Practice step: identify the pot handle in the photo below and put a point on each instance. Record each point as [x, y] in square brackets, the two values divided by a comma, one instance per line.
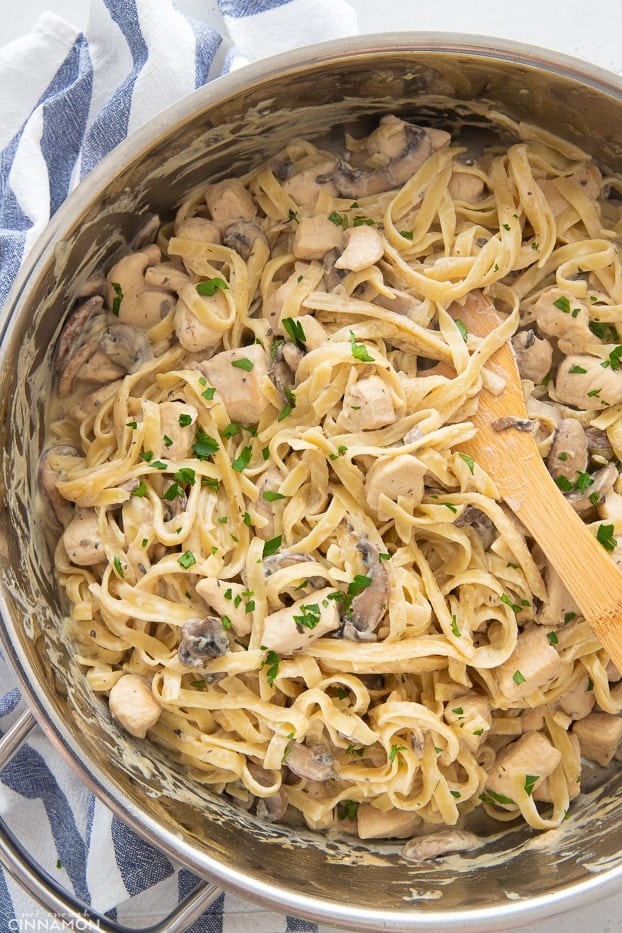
[61, 904]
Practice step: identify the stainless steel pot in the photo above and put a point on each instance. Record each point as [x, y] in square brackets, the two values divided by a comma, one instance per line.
[229, 126]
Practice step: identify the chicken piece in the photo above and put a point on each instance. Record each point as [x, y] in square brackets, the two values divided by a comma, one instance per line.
[367, 405]
[599, 736]
[543, 791]
[133, 704]
[303, 187]
[567, 456]
[82, 539]
[564, 317]
[176, 421]
[199, 229]
[364, 247]
[532, 755]
[229, 600]
[316, 236]
[578, 702]
[583, 382]
[559, 608]
[372, 823]
[133, 301]
[465, 186]
[534, 663]
[293, 628]
[394, 476]
[315, 333]
[229, 200]
[534, 355]
[240, 387]
[471, 713]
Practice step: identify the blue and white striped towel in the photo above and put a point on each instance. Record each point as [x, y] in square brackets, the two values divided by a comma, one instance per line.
[66, 99]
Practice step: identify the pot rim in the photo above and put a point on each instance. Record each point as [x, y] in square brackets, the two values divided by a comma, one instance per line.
[53, 726]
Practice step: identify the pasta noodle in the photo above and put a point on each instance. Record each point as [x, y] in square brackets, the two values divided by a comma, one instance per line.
[279, 565]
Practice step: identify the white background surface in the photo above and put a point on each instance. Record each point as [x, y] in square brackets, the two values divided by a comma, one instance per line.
[588, 30]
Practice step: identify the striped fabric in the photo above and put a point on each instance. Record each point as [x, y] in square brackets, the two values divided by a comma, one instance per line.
[66, 99]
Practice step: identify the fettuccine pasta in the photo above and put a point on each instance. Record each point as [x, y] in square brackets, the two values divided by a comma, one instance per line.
[279, 563]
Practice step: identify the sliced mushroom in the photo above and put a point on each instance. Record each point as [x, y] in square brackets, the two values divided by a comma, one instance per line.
[369, 606]
[333, 276]
[126, 346]
[402, 147]
[364, 247]
[435, 844]
[242, 236]
[49, 473]
[567, 456]
[313, 761]
[595, 491]
[74, 329]
[285, 360]
[133, 301]
[274, 807]
[82, 540]
[201, 320]
[482, 525]
[202, 639]
[133, 704]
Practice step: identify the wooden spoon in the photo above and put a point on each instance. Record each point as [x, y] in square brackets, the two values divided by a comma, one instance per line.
[511, 458]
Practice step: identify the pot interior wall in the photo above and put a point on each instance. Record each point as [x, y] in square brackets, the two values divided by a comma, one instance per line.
[224, 130]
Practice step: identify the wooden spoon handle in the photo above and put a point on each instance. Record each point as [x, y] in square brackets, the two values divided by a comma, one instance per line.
[511, 457]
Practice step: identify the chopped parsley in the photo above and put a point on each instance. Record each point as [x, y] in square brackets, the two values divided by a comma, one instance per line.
[295, 330]
[464, 331]
[244, 363]
[606, 537]
[359, 350]
[186, 560]
[470, 462]
[562, 304]
[141, 489]
[454, 627]
[204, 446]
[395, 750]
[118, 298]
[118, 566]
[271, 664]
[185, 420]
[242, 461]
[530, 782]
[272, 546]
[210, 286]
[519, 678]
